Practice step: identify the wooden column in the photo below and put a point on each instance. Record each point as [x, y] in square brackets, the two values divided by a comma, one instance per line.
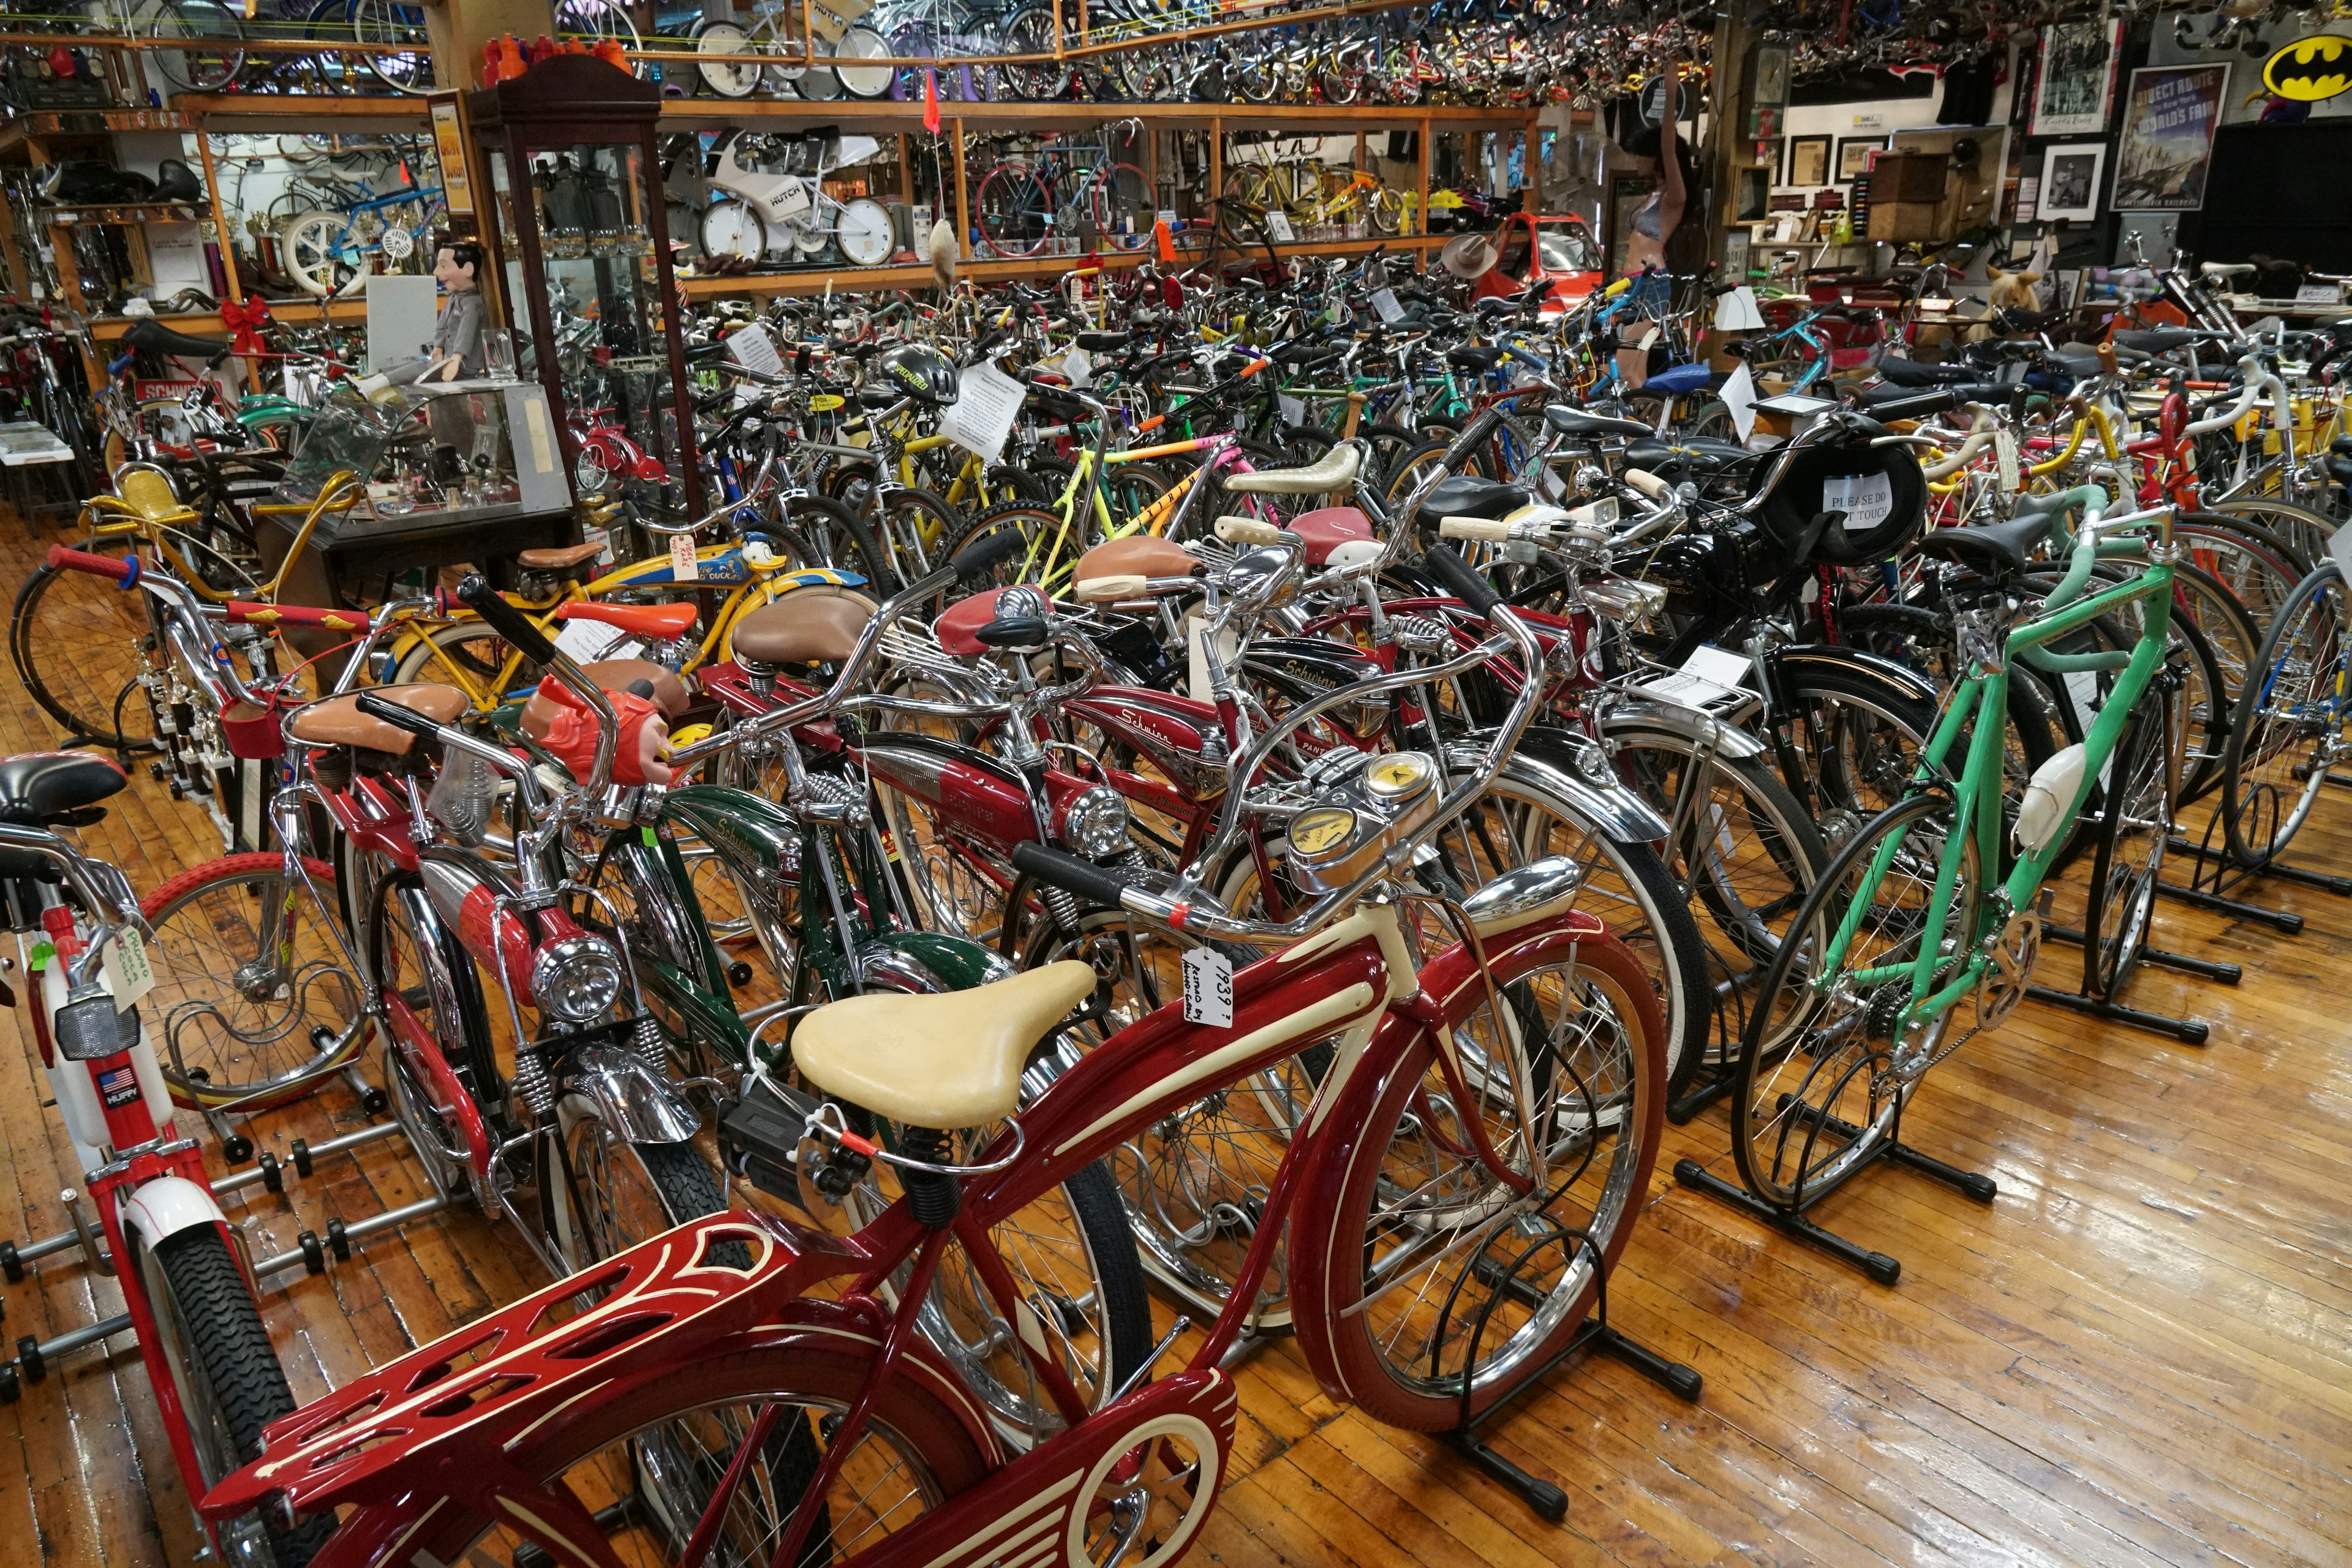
[1726, 150]
[1427, 133]
[1217, 161]
[905, 171]
[964, 194]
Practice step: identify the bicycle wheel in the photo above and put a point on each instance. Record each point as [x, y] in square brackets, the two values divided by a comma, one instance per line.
[2286, 734]
[825, 534]
[321, 255]
[1438, 1282]
[428, 982]
[591, 20]
[468, 654]
[247, 969]
[1030, 30]
[1120, 202]
[214, 60]
[719, 76]
[1038, 527]
[859, 42]
[223, 1369]
[389, 23]
[2257, 565]
[1822, 1076]
[2136, 824]
[1014, 210]
[74, 639]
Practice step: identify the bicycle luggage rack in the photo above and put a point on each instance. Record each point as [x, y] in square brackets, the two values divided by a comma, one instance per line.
[1597, 1333]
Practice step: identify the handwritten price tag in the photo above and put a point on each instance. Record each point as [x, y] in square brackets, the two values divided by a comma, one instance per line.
[1208, 988]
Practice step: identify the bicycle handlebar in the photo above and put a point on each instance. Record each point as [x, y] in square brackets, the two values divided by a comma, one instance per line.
[61, 559]
[245, 612]
[2257, 382]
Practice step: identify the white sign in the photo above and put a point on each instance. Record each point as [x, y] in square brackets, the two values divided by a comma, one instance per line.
[1738, 312]
[1278, 226]
[1386, 306]
[751, 347]
[1867, 500]
[585, 642]
[981, 416]
[1208, 988]
[130, 976]
[1078, 365]
[1709, 677]
[1293, 410]
[1738, 395]
[2004, 451]
[2319, 294]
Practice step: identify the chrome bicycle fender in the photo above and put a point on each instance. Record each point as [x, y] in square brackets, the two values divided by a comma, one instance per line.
[644, 1106]
[1835, 656]
[1699, 729]
[1614, 811]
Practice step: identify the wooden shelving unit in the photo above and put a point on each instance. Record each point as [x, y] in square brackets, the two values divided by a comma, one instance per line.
[999, 269]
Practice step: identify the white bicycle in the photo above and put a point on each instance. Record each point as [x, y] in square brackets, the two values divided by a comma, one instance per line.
[762, 209]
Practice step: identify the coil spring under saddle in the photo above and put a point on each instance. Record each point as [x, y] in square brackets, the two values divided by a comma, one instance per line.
[935, 1197]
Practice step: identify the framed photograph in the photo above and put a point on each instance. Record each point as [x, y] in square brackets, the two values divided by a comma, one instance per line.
[1853, 156]
[2074, 93]
[1755, 194]
[1808, 161]
[2167, 146]
[2070, 181]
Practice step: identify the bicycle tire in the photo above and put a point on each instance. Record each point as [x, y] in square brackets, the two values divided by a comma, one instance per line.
[1036, 525]
[227, 1376]
[826, 533]
[76, 652]
[1336, 1253]
[1006, 206]
[447, 996]
[387, 22]
[2290, 716]
[2133, 827]
[313, 247]
[197, 21]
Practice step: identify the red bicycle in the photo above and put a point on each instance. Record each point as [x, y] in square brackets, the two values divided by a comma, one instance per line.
[1467, 1173]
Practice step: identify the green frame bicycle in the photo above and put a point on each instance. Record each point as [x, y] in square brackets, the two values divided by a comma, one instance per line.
[1927, 906]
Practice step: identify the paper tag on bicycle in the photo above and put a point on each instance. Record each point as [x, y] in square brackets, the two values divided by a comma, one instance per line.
[1278, 226]
[1208, 988]
[790, 201]
[2339, 547]
[2004, 452]
[1079, 366]
[981, 416]
[1647, 339]
[585, 642]
[1867, 500]
[1708, 678]
[1601, 513]
[130, 976]
[684, 566]
[1387, 306]
[751, 347]
[601, 539]
[1294, 410]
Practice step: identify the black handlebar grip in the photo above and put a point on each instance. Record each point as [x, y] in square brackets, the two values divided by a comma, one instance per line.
[1456, 573]
[1069, 872]
[476, 595]
[984, 558]
[1915, 408]
[1481, 430]
[393, 714]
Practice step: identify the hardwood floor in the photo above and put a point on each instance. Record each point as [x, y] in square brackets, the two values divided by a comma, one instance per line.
[2140, 1352]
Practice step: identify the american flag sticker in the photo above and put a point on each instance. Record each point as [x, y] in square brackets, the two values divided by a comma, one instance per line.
[119, 1087]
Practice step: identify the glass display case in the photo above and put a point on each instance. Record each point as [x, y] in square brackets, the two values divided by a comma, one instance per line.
[575, 227]
[432, 453]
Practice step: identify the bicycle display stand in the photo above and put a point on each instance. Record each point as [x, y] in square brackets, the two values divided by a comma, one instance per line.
[2208, 891]
[2097, 1000]
[1792, 1223]
[1548, 1500]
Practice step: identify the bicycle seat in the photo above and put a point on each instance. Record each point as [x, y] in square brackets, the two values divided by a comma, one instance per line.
[338, 721]
[1570, 421]
[1135, 555]
[148, 494]
[663, 622]
[1335, 470]
[1911, 374]
[2162, 339]
[1995, 547]
[152, 336]
[1099, 343]
[1676, 381]
[1330, 531]
[1467, 495]
[561, 559]
[948, 1060]
[1472, 358]
[40, 785]
[817, 625]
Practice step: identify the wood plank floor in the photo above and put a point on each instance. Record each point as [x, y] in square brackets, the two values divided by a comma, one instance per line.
[2141, 1353]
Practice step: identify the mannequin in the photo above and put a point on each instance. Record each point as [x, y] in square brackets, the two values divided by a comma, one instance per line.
[456, 351]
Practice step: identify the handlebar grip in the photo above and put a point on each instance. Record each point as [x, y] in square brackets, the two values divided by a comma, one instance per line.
[393, 714]
[115, 367]
[61, 559]
[1915, 408]
[1473, 528]
[476, 595]
[1466, 585]
[1069, 873]
[1648, 483]
[1106, 590]
[1480, 431]
[249, 613]
[1247, 531]
[976, 563]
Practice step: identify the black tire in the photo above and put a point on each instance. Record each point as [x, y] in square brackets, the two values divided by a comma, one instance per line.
[74, 639]
[2129, 857]
[1036, 525]
[230, 1383]
[2282, 737]
[826, 533]
[677, 1185]
[912, 518]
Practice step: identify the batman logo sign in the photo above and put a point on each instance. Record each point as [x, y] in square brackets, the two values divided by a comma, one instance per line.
[2310, 70]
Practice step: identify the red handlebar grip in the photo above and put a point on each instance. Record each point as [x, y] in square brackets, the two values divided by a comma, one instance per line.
[62, 559]
[251, 613]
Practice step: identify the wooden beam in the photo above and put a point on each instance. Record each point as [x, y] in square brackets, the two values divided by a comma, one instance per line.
[1427, 135]
[963, 192]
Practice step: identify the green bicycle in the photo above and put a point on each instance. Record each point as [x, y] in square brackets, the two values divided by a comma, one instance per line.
[1928, 905]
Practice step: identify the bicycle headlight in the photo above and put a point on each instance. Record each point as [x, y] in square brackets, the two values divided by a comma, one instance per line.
[1094, 824]
[576, 978]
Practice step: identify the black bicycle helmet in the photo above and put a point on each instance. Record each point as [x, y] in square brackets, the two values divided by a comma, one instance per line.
[1879, 491]
[920, 372]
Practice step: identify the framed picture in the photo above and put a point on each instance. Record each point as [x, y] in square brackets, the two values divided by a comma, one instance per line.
[2167, 146]
[1808, 161]
[2070, 181]
[1755, 194]
[2075, 91]
[1853, 156]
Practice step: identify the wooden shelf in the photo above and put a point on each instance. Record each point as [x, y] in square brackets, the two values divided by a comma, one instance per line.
[107, 328]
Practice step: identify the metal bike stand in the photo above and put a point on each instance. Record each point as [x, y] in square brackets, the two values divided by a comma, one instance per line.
[1792, 1221]
[2229, 872]
[1709, 1084]
[236, 1147]
[1548, 1500]
[268, 1170]
[2091, 1002]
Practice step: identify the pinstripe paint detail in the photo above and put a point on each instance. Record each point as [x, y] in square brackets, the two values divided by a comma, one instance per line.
[514, 1441]
[1308, 1020]
[541, 1525]
[1066, 1484]
[1036, 1553]
[393, 1555]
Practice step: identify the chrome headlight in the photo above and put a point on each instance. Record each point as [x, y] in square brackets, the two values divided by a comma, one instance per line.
[1094, 822]
[576, 978]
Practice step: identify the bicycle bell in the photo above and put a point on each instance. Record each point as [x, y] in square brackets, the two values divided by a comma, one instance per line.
[1362, 805]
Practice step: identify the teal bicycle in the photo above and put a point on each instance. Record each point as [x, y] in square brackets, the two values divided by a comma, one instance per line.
[1938, 901]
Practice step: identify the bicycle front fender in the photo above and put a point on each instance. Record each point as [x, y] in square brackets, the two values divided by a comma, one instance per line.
[167, 1205]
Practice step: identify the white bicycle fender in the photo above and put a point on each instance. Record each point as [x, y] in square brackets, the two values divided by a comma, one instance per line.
[168, 1205]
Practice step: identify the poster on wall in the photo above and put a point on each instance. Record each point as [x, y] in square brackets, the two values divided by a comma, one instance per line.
[2076, 89]
[2070, 181]
[2170, 117]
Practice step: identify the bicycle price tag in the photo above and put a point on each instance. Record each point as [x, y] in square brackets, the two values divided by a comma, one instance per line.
[790, 201]
[2340, 546]
[684, 566]
[1865, 498]
[585, 642]
[1079, 366]
[1709, 678]
[1208, 988]
[2004, 451]
[1278, 226]
[129, 976]
[1293, 409]
[1388, 306]
[981, 416]
[751, 347]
